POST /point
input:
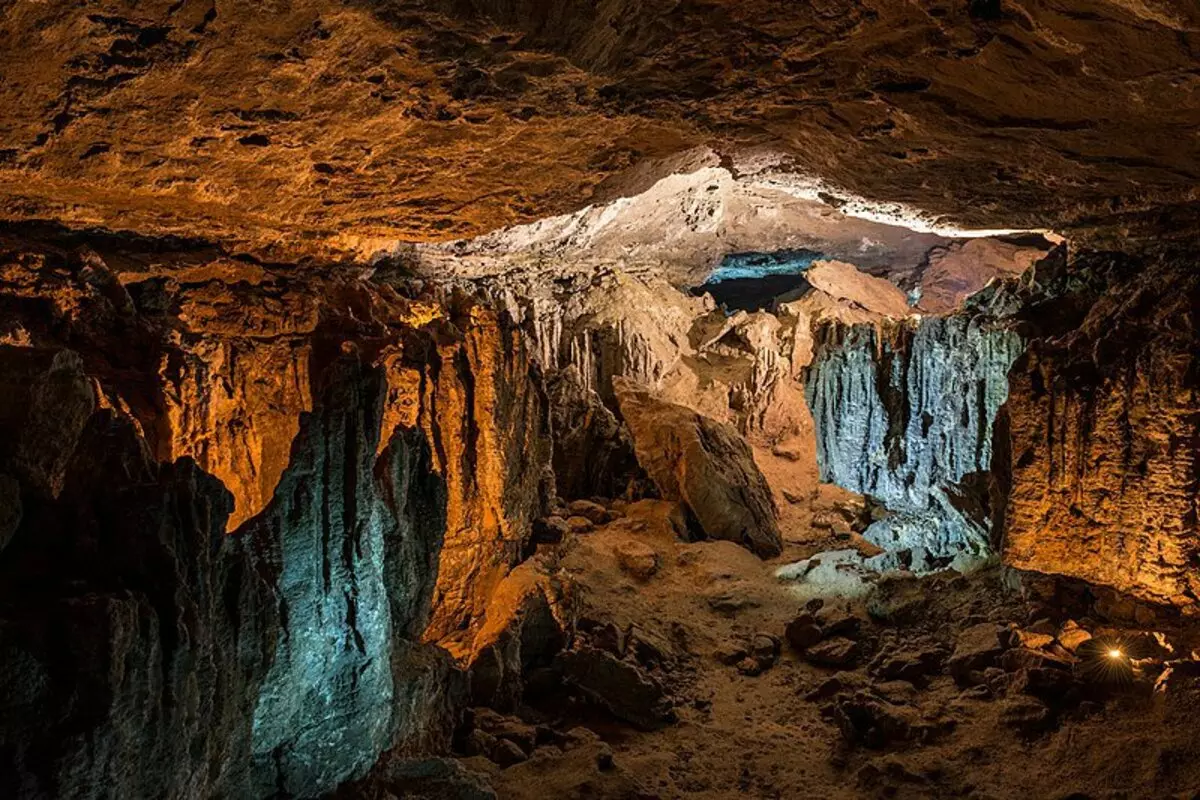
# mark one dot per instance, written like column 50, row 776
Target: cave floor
column 1029, row 724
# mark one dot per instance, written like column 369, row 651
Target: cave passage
column 655, row 400
column 752, row 281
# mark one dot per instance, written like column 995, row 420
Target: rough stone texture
column 490, row 431
column 954, row 273
column 593, row 454
column 904, row 413
column 320, row 127
column 1103, row 431
column 414, row 458
column 706, row 465
column 843, row 281
column 134, row 632
column 355, row 561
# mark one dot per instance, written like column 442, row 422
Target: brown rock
column 844, row 281
column 596, row 513
column 706, row 465
column 835, row 652
column 1124, row 482
column 730, row 653
column 580, row 525
column 619, row 686
column 977, row 648
column 802, row 632
column 637, row 559
column 836, row 621
column 1072, row 636
column 550, row 530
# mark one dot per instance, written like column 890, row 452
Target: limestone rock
column 619, row 686
column 904, row 414
column 593, row 453
column 976, row 648
column 637, row 559
column 803, row 632
column 593, row 512
column 704, row 464
column 836, row 652
column 843, row 281
column 1112, row 479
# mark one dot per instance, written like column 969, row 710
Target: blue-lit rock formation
column 904, row 414
column 356, row 558
column 736, row 266
column 750, row 281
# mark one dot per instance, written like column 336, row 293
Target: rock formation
column 342, row 129
column 706, row 466
column 391, row 391
column 904, row 414
column 1102, row 426
column 414, row 461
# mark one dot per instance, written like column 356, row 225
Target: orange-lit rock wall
column 1104, row 442
column 487, row 424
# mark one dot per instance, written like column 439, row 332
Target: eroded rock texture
column 704, row 464
column 354, row 561
column 1104, row 430
column 134, row 631
column 338, row 127
column 387, row 457
column 904, row 414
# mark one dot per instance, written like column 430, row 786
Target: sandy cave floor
column 777, row 734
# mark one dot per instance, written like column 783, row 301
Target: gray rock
column 904, row 414
column 356, row 564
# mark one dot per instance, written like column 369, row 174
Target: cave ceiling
column 330, row 130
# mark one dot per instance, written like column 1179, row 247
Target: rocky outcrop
column 486, row 419
column 343, row 129
column 593, row 453
column 704, row 464
column 1103, row 429
column 387, row 456
column 134, row 631
column 904, row 413
column 352, row 550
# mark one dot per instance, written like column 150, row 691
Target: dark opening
column 753, row 281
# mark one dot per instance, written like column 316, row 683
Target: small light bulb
column 1115, row 653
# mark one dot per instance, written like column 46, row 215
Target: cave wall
column 1103, row 441
column 384, row 457
column 134, row 631
column 904, row 413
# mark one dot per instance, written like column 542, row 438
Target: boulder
column 836, row 621
column 550, row 530
column 580, row 525
column 802, row 632
column 977, row 648
column 704, row 464
column 637, row 559
column 914, row 665
column 1071, row 636
column 836, row 652
column 621, row 687
column 867, row 720
column 594, row 512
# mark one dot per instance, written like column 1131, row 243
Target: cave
column 627, row 400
